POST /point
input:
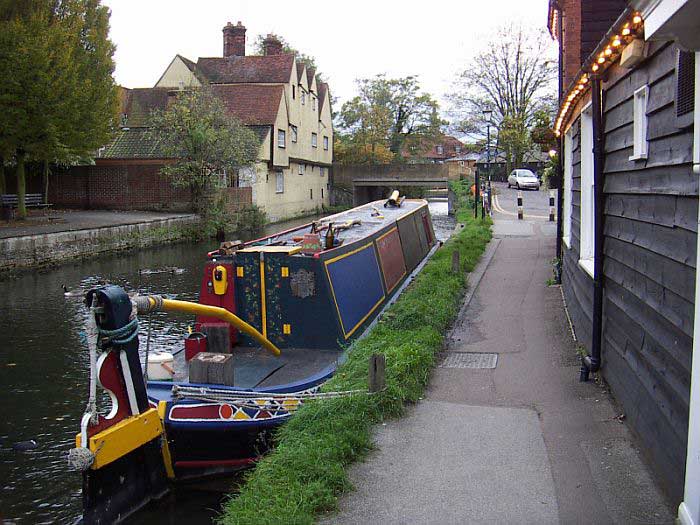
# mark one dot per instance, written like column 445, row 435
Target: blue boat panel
column 356, row 285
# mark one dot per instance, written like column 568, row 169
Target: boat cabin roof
column 368, row 219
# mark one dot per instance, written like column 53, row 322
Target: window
column 294, row 92
column 322, row 193
column 313, row 103
column 301, row 169
column 279, row 182
column 568, row 169
column 311, row 194
column 303, row 98
column 325, row 143
column 458, row 149
column 281, row 138
column 294, row 133
column 587, row 252
column 322, row 170
column 640, row 123
column 314, row 140
column 439, row 150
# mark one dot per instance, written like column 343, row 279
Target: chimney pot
column 272, row 45
column 234, row 40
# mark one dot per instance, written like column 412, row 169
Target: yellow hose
column 172, row 305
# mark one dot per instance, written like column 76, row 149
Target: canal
column 44, row 375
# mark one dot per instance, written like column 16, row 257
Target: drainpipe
column 689, row 509
column 591, row 363
column 560, row 170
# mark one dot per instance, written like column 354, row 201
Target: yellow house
column 288, row 107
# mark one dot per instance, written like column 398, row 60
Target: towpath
column 506, row 432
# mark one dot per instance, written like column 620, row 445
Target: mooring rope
column 120, row 336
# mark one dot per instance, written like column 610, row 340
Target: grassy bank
column 306, row 472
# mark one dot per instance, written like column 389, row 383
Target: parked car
column 523, row 179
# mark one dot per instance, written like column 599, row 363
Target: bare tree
column 514, row 78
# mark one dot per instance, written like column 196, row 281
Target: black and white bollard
column 552, row 207
column 520, row 206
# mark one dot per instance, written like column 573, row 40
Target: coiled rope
column 120, row 336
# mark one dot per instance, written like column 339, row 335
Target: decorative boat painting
column 274, row 319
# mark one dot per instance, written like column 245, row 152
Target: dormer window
column 314, row 140
column 294, row 133
column 439, row 150
column 303, row 98
column 458, row 149
column 281, row 138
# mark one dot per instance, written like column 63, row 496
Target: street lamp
column 487, row 116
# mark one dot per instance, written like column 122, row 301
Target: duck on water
column 274, row 319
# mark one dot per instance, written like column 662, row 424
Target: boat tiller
column 126, row 468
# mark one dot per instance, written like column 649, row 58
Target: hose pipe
column 155, row 303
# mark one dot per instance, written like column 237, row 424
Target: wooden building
column 629, row 221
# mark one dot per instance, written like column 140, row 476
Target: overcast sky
column 353, row 39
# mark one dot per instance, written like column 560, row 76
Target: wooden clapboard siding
column 651, row 209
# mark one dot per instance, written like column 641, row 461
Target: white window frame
column 587, row 247
column 325, row 142
column 567, row 186
column 301, row 169
column 322, row 170
column 314, row 140
column 279, row 182
column 303, row 98
column 294, row 133
column 281, row 138
column 640, row 101
column 439, row 150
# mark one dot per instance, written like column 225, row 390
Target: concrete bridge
column 368, row 183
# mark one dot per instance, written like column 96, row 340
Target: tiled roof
column 300, row 71
column 322, row 89
column 253, row 104
column 139, row 103
column 451, row 147
column 310, row 72
column 272, row 69
column 131, row 143
column 190, row 65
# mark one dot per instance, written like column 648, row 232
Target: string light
column 616, row 41
column 608, row 51
column 637, row 19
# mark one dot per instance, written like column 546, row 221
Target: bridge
column 368, row 183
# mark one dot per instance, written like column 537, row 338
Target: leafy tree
column 206, row 141
column 57, row 98
column 513, row 78
column 391, row 113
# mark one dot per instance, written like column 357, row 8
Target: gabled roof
column 272, row 69
column 310, row 72
column 300, row 70
column 190, row 65
column 252, row 104
column 322, row 90
column 138, row 104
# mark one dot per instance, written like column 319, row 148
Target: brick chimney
column 272, row 45
column 234, row 40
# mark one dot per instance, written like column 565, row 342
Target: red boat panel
column 391, row 258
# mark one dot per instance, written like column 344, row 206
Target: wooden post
column 212, row 369
column 377, row 366
column 455, row 261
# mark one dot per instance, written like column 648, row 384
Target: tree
column 513, row 78
column 57, row 98
column 206, row 141
column 389, row 113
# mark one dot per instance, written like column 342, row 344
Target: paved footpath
column 506, row 433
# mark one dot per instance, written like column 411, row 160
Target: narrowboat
column 274, row 320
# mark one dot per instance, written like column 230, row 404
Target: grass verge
column 305, row 473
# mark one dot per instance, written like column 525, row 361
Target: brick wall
column 117, row 187
column 238, row 198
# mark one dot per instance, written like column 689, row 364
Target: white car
column 523, row 179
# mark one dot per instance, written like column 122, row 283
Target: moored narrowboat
column 274, row 319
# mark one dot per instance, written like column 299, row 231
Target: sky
column 349, row 40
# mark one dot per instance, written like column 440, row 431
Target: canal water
column 44, row 375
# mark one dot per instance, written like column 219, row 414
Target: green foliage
column 388, row 116
column 57, row 97
column 206, row 141
column 305, row 473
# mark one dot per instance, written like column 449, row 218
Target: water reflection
column 44, row 373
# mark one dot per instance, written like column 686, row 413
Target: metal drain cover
column 469, row 360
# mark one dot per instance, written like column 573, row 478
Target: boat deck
column 368, row 224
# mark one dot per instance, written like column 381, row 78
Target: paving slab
column 491, row 466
